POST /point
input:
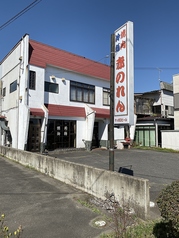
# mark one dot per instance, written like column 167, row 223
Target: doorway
column 34, row 135
column 95, row 140
column 61, row 134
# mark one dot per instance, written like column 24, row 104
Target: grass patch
column 89, row 205
column 140, row 229
column 156, row 149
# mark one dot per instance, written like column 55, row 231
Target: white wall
column 14, row 67
column 64, row 87
column 14, row 104
column 119, row 133
column 23, row 110
column 176, row 91
column 170, row 139
column 80, row 133
column 36, row 97
column 167, row 98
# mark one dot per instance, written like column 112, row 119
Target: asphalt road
column 46, row 207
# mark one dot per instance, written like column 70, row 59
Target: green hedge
column 168, row 203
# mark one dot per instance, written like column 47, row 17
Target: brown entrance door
column 61, row 134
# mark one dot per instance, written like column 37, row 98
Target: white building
column 170, row 138
column 53, row 99
column 155, row 113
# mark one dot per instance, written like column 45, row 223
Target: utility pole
column 111, row 129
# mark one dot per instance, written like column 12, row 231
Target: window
column 51, row 87
column 13, row 86
column 32, row 80
column 4, row 92
column 106, row 96
column 81, row 92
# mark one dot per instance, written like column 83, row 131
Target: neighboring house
column 54, row 99
column 155, row 112
column 170, row 138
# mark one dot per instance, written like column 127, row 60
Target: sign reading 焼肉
column 124, row 75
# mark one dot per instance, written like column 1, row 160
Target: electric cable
column 34, row 3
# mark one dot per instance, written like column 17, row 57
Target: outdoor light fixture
column 52, row 77
column 63, row 79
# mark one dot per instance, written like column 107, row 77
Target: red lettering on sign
column 120, row 91
column 120, row 106
column 123, row 33
column 120, row 63
column 123, row 44
column 120, row 77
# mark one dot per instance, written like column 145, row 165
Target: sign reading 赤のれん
column 124, row 75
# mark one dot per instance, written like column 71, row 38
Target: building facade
column 53, row 99
column 155, row 113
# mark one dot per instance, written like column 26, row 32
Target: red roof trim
column 67, row 111
column 36, row 112
column 42, row 55
column 101, row 112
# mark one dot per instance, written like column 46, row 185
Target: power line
column 33, row 4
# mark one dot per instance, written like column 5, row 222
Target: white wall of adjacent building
column 14, row 70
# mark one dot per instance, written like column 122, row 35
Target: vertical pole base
column 111, row 159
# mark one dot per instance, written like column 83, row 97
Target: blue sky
column 84, row 27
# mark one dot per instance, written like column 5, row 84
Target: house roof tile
column 42, row 55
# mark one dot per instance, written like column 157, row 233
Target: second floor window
column 81, row 92
column 106, row 96
column 13, row 86
column 32, row 80
column 4, row 92
column 51, row 87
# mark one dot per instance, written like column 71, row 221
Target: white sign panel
column 124, row 75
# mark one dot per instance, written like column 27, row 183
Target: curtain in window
column 91, row 96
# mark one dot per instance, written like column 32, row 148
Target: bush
column 168, row 203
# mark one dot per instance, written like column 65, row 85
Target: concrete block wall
column 94, row 181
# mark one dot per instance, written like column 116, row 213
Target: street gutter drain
column 100, row 223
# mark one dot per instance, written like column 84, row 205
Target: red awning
column 68, row 111
column 36, row 112
column 102, row 113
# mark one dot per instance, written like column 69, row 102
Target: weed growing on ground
column 89, row 205
column 5, row 232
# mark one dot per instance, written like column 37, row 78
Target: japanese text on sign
column 120, row 106
column 124, row 75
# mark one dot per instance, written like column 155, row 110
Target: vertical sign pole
column 111, row 129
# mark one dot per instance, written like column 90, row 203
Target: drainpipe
column 18, row 98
